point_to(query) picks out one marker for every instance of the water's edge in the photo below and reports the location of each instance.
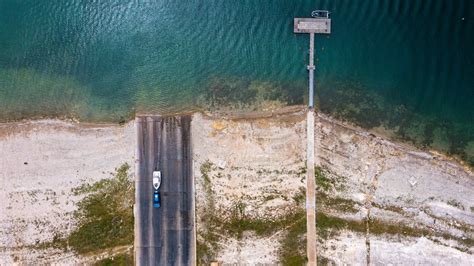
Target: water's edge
(296, 112)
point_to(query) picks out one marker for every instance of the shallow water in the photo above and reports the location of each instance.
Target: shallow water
(102, 60)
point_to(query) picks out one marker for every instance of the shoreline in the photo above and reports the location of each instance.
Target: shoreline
(295, 111)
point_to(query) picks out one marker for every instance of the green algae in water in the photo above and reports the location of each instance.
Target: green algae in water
(353, 103)
(37, 95)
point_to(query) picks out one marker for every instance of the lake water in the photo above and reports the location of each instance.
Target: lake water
(404, 65)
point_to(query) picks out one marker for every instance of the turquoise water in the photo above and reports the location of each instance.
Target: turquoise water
(103, 60)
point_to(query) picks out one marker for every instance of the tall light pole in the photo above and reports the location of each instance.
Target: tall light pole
(319, 23)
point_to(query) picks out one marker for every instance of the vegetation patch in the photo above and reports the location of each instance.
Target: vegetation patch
(269, 197)
(328, 224)
(58, 242)
(327, 181)
(207, 240)
(336, 203)
(322, 182)
(293, 245)
(300, 197)
(456, 204)
(206, 168)
(124, 259)
(238, 223)
(105, 219)
(324, 261)
(105, 214)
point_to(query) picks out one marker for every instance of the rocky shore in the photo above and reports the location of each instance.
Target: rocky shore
(378, 201)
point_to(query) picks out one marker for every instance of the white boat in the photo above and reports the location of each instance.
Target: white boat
(156, 179)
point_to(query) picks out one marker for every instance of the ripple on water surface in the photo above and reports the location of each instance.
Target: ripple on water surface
(103, 60)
